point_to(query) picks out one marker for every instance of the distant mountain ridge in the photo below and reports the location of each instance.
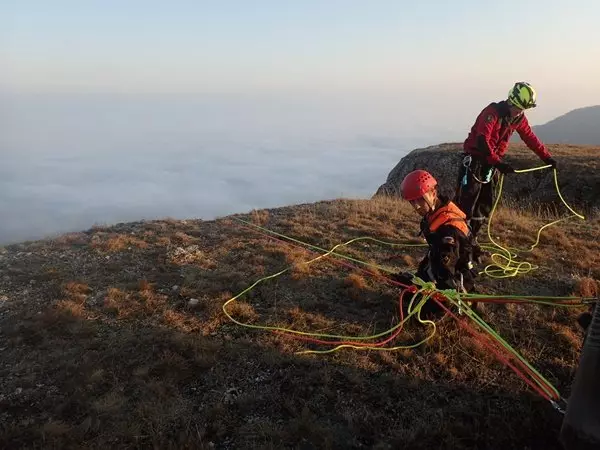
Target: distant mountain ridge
(579, 127)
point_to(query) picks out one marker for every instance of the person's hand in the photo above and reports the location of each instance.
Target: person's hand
(551, 162)
(504, 168)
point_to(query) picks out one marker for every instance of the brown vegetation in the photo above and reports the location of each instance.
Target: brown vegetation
(115, 338)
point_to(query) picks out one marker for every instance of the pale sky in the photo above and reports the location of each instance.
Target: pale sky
(117, 110)
(428, 54)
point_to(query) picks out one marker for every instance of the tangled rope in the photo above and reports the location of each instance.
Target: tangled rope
(504, 265)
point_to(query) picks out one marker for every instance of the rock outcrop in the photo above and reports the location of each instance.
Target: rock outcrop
(578, 173)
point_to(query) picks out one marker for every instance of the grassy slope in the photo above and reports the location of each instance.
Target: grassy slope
(100, 347)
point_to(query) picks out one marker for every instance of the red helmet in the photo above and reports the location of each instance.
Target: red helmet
(416, 184)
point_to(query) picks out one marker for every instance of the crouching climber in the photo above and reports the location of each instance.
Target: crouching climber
(448, 262)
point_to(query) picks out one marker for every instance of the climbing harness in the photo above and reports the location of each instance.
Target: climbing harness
(467, 161)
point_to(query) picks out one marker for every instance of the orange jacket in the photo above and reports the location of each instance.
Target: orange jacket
(448, 214)
(450, 246)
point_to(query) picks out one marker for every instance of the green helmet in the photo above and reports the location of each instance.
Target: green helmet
(522, 95)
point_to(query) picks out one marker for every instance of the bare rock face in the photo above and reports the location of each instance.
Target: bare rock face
(442, 161)
(578, 174)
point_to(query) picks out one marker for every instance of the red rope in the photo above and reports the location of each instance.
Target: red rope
(337, 261)
(382, 277)
(439, 299)
(492, 346)
(411, 288)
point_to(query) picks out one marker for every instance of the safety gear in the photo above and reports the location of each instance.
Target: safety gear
(448, 261)
(486, 175)
(522, 95)
(474, 197)
(449, 214)
(504, 168)
(416, 184)
(450, 246)
(493, 129)
(552, 162)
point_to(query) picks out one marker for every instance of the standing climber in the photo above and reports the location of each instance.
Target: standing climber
(448, 261)
(483, 151)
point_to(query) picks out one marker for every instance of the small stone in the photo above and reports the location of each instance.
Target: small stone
(175, 288)
(193, 302)
(231, 395)
(18, 391)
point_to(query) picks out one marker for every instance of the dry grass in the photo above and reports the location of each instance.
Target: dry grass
(116, 242)
(118, 357)
(73, 308)
(242, 311)
(259, 217)
(71, 239)
(587, 287)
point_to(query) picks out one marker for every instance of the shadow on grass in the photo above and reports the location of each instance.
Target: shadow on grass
(121, 361)
(68, 382)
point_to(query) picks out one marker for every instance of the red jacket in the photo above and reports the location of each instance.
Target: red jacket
(492, 130)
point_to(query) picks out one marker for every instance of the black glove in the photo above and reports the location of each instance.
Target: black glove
(505, 168)
(552, 162)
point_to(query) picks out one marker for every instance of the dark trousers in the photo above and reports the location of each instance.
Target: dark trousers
(474, 194)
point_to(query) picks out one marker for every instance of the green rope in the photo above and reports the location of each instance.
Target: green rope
(504, 266)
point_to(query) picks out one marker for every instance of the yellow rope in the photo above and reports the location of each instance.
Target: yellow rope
(504, 264)
(416, 311)
(320, 335)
